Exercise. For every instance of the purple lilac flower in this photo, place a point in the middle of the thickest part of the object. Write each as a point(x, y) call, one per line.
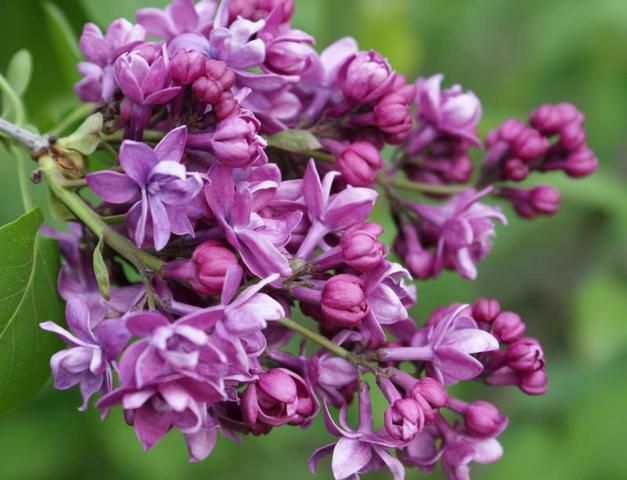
point(180, 17)
point(461, 229)
point(360, 451)
point(448, 345)
point(157, 183)
point(93, 346)
point(101, 51)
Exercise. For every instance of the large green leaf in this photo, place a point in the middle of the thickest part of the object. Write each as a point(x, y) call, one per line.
point(28, 296)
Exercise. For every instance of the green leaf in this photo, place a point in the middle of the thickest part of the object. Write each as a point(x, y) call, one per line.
point(86, 138)
point(58, 209)
point(18, 75)
point(64, 41)
point(295, 141)
point(28, 296)
point(101, 271)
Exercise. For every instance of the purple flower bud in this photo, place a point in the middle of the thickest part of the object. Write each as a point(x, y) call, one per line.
point(212, 260)
point(279, 397)
point(432, 390)
point(484, 420)
point(187, 66)
point(393, 118)
point(217, 78)
point(359, 164)
point(581, 163)
point(344, 301)
point(508, 327)
point(234, 142)
point(361, 248)
point(534, 383)
point(485, 310)
point(515, 169)
point(545, 199)
point(226, 107)
point(290, 54)
point(551, 119)
point(403, 419)
point(525, 355)
point(367, 77)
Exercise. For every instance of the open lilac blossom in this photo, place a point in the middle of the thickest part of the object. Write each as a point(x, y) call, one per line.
point(462, 231)
point(245, 171)
point(93, 346)
point(102, 50)
point(159, 185)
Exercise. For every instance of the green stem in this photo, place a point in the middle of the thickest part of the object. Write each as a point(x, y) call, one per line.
point(326, 343)
point(149, 135)
point(83, 110)
point(18, 106)
point(22, 177)
point(122, 245)
point(321, 156)
point(418, 187)
point(114, 219)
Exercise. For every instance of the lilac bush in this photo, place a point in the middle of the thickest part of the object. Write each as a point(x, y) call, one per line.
point(256, 292)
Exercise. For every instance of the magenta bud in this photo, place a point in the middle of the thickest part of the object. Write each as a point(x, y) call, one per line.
point(403, 419)
point(508, 327)
point(279, 397)
point(217, 79)
point(484, 420)
point(187, 66)
point(485, 310)
point(226, 107)
point(432, 390)
point(393, 118)
point(367, 77)
point(288, 56)
point(581, 163)
point(212, 260)
point(515, 169)
point(361, 248)
point(545, 199)
point(344, 301)
point(525, 355)
point(359, 164)
point(534, 383)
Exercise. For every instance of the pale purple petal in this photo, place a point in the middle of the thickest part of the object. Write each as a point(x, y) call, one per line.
point(349, 457)
point(113, 187)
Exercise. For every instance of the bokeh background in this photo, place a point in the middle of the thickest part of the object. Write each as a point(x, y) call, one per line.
point(567, 275)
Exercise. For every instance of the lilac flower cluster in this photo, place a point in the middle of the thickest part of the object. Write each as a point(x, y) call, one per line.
point(256, 233)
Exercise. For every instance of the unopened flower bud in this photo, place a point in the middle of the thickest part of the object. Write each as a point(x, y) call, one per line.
point(432, 390)
point(403, 419)
point(344, 301)
point(217, 79)
point(359, 164)
point(367, 77)
point(212, 260)
point(508, 327)
point(361, 248)
point(545, 199)
point(485, 310)
point(581, 163)
point(534, 383)
point(484, 420)
point(187, 66)
point(393, 118)
point(525, 355)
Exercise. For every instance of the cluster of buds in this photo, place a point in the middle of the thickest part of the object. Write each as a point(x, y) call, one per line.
point(247, 171)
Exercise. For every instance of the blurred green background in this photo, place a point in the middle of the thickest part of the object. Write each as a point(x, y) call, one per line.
point(566, 275)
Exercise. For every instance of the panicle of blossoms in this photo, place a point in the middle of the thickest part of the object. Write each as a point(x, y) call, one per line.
point(247, 165)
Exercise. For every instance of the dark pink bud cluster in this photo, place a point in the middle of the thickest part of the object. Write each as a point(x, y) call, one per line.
point(343, 302)
point(216, 80)
point(522, 361)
